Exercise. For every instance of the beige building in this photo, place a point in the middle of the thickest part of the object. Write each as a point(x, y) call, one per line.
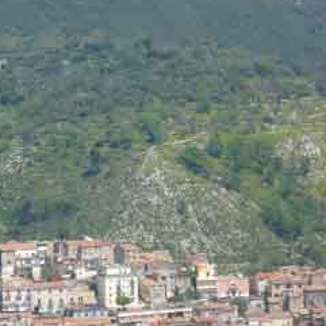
point(133, 254)
point(27, 319)
point(219, 313)
point(318, 277)
point(315, 297)
point(152, 292)
point(232, 287)
point(95, 250)
point(206, 274)
point(19, 258)
point(82, 250)
point(9, 319)
point(166, 275)
point(114, 282)
point(82, 273)
point(205, 270)
point(22, 295)
point(273, 319)
point(7, 263)
point(284, 290)
point(168, 316)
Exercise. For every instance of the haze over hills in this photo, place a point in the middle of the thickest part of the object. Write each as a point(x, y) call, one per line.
point(190, 125)
point(292, 30)
point(265, 25)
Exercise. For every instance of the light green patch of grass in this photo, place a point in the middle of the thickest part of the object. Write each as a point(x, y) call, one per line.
point(319, 189)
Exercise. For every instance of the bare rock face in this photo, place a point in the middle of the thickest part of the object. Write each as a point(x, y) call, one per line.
point(161, 205)
point(309, 147)
point(12, 164)
point(305, 146)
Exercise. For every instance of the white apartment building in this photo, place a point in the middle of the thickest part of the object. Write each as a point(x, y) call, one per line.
point(116, 281)
point(19, 258)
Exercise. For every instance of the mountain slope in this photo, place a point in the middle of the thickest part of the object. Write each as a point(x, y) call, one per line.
point(254, 24)
point(180, 124)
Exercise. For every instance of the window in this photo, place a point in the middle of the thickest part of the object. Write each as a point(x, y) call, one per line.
point(50, 305)
point(28, 295)
point(118, 288)
point(19, 295)
point(132, 287)
point(61, 303)
point(8, 296)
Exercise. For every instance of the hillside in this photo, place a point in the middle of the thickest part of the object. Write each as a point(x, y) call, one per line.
point(179, 124)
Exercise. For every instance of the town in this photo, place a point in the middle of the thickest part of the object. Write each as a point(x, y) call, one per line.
point(96, 282)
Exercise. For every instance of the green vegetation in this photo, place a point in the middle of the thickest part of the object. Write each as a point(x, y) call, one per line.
point(194, 160)
point(137, 125)
point(123, 300)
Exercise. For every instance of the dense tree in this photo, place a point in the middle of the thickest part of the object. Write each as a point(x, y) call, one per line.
point(215, 146)
point(194, 160)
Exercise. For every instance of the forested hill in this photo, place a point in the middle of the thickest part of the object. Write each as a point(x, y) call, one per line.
point(293, 30)
point(285, 28)
point(184, 124)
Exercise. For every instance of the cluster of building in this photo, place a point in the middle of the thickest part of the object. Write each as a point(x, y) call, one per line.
point(96, 283)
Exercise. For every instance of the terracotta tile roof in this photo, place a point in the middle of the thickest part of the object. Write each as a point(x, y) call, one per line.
point(204, 319)
point(320, 271)
point(268, 276)
point(149, 282)
point(198, 258)
point(218, 306)
point(38, 320)
point(130, 247)
point(18, 246)
point(13, 316)
point(153, 261)
point(224, 284)
point(278, 277)
point(44, 321)
point(88, 244)
point(314, 288)
point(319, 311)
point(21, 283)
point(90, 321)
point(262, 316)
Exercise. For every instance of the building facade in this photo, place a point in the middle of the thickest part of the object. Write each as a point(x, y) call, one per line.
point(152, 293)
point(232, 287)
point(23, 295)
point(114, 282)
